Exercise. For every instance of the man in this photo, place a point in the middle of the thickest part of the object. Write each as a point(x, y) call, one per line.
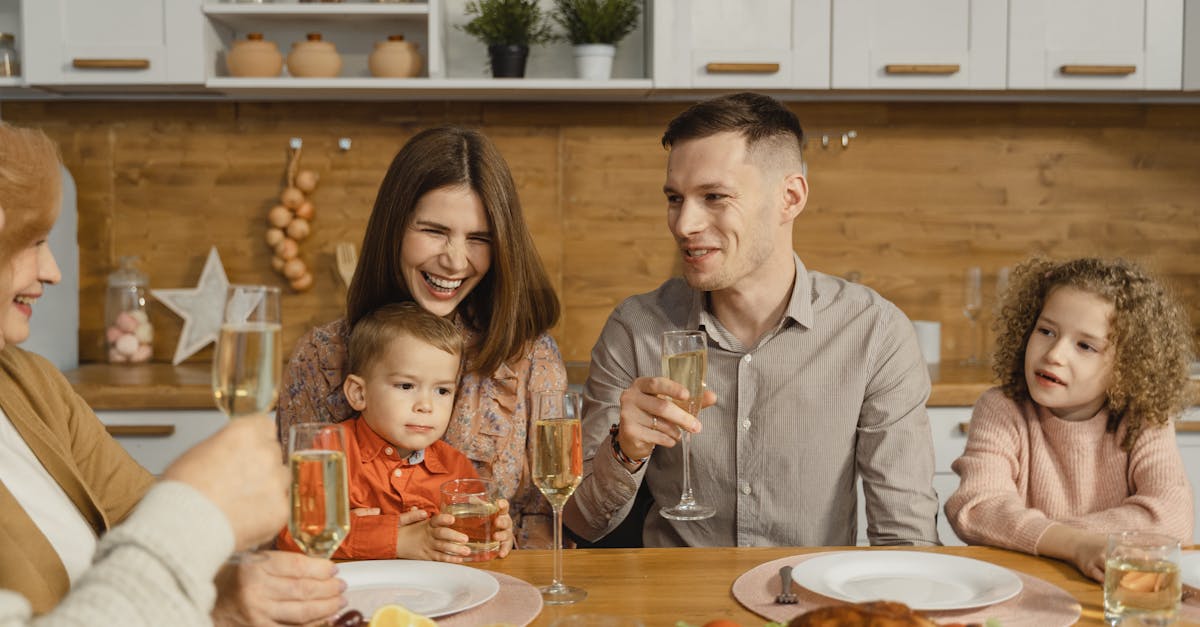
point(812, 381)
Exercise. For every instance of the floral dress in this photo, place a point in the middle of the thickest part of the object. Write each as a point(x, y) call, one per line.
point(490, 424)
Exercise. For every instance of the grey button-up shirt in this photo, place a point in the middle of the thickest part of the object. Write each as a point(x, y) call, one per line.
point(836, 392)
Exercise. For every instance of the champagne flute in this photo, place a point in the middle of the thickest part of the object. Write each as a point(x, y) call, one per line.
point(684, 360)
point(972, 307)
point(246, 364)
point(320, 516)
point(557, 469)
point(245, 367)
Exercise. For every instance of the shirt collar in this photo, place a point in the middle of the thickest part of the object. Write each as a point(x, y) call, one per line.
point(799, 307)
point(371, 445)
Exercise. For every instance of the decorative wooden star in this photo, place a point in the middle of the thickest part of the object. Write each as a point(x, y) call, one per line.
point(200, 307)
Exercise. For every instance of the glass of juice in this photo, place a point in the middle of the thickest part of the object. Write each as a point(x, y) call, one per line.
point(472, 503)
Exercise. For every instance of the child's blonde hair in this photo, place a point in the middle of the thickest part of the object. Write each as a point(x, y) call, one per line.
point(1149, 332)
point(373, 334)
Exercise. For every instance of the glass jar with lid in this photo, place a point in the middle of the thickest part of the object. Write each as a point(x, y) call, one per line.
point(128, 333)
point(10, 63)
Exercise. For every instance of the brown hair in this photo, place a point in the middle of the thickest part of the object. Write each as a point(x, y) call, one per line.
point(761, 120)
point(371, 336)
point(1149, 331)
point(514, 303)
point(29, 187)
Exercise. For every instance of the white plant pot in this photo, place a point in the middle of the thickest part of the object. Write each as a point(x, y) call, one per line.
point(593, 62)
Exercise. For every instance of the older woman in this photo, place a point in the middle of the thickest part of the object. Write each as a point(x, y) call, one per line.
point(65, 484)
point(447, 232)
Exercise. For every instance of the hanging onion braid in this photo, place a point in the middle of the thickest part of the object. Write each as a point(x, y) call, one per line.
point(1150, 333)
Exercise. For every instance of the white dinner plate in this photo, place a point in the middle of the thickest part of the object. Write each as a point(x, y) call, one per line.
point(923, 581)
point(1189, 569)
point(428, 588)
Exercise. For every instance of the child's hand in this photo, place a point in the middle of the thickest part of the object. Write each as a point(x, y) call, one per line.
point(434, 540)
point(1089, 553)
point(504, 530)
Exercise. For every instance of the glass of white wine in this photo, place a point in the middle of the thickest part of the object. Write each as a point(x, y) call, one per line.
point(684, 360)
point(320, 516)
point(557, 469)
point(246, 365)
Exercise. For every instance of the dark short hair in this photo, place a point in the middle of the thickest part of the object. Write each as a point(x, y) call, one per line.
point(371, 336)
point(755, 117)
point(514, 303)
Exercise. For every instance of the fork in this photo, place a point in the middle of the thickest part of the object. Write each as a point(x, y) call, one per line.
point(346, 256)
point(786, 596)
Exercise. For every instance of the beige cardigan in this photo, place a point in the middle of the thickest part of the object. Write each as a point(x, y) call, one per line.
point(99, 477)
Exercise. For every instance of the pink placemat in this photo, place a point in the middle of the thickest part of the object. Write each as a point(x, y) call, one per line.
point(517, 603)
point(1039, 604)
point(1189, 610)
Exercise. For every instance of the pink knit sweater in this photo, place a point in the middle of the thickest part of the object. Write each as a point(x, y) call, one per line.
point(1024, 469)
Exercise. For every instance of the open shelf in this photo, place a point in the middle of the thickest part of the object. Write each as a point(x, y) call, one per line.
point(432, 88)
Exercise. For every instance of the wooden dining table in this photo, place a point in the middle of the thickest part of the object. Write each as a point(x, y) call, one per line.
point(663, 586)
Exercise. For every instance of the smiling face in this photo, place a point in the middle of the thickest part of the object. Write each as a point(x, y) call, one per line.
point(1069, 358)
point(727, 213)
point(407, 395)
point(29, 271)
point(446, 249)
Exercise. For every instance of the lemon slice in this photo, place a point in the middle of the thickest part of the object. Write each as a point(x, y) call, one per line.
point(398, 616)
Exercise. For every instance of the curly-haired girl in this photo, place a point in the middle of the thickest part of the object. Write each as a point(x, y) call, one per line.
point(1076, 442)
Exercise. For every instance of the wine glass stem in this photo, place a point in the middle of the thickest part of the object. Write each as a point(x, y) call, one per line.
point(686, 497)
point(558, 545)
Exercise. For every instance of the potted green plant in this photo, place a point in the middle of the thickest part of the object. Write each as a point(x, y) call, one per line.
point(595, 27)
point(509, 28)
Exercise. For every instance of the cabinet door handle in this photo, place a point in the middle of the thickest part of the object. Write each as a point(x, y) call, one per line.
point(964, 427)
point(942, 69)
point(110, 64)
point(140, 431)
point(1187, 426)
point(1098, 70)
point(741, 68)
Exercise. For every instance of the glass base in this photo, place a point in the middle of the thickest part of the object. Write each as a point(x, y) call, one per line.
point(688, 511)
point(558, 594)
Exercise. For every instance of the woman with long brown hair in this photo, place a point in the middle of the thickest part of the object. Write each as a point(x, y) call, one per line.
point(447, 232)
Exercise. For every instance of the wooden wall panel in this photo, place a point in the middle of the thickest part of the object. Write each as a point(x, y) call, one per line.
point(923, 191)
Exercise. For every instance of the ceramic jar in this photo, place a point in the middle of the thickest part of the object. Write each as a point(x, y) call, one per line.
point(314, 58)
point(254, 57)
point(127, 330)
point(10, 64)
point(395, 58)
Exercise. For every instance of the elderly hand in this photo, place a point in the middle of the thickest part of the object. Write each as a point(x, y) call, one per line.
point(651, 416)
point(278, 588)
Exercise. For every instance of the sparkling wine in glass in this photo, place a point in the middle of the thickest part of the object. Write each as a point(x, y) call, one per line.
point(972, 308)
point(246, 365)
point(557, 469)
point(320, 516)
point(684, 360)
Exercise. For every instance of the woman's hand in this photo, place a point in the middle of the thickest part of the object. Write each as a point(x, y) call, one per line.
point(651, 416)
point(278, 588)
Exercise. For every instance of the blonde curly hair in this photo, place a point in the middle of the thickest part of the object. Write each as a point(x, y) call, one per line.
point(1150, 333)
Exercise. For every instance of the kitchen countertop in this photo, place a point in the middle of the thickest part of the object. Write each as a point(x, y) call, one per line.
point(187, 386)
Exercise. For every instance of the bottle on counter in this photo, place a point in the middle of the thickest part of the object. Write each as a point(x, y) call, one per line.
point(10, 63)
point(128, 333)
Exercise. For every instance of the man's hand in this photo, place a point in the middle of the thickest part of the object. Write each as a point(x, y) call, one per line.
point(278, 588)
point(651, 416)
point(239, 469)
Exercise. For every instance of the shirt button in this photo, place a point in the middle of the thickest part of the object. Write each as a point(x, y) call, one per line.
point(745, 424)
point(748, 358)
point(397, 472)
point(387, 451)
point(745, 488)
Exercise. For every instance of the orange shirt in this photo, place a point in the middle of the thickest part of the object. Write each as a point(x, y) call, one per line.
point(379, 477)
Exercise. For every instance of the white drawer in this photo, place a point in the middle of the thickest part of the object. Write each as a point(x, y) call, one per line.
point(156, 437)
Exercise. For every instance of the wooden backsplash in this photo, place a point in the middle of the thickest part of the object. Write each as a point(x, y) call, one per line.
point(922, 192)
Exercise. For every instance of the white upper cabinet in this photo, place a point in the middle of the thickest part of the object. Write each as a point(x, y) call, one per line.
point(113, 42)
point(1095, 44)
point(919, 44)
point(749, 44)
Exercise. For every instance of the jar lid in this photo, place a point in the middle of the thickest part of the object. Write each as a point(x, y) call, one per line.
point(254, 36)
point(314, 36)
point(7, 37)
point(127, 273)
point(395, 37)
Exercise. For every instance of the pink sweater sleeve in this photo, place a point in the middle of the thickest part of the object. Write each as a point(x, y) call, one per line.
point(1160, 497)
point(989, 506)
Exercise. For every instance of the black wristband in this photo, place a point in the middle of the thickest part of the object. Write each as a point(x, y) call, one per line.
point(619, 454)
